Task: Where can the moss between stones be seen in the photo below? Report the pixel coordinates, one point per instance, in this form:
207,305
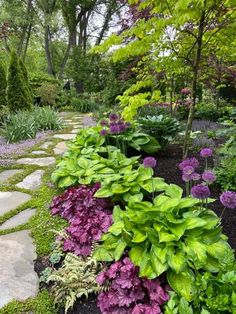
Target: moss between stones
42,304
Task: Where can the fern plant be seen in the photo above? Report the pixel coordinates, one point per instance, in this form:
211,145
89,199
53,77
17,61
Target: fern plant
76,278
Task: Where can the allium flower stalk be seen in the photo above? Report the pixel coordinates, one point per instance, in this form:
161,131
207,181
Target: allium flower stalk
150,162
228,200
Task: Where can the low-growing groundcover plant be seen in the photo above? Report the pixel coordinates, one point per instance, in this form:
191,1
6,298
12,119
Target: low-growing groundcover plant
88,217
127,293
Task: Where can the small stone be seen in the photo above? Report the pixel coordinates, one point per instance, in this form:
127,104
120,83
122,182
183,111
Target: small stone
18,219
7,174
12,200
32,182
46,145
60,148
65,136
38,152
43,161
18,279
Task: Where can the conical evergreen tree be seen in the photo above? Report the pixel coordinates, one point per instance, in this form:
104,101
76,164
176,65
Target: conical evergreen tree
17,93
3,87
26,81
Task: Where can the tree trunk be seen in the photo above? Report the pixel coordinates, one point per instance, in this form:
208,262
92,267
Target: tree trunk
24,34
48,50
171,94
194,84
105,26
27,42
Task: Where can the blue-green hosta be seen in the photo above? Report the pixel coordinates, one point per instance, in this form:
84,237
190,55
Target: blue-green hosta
172,234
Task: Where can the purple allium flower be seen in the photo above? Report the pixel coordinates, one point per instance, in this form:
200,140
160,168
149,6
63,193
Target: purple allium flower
193,162
200,191
188,170
113,117
208,176
104,122
228,199
206,152
186,178
114,128
149,162
195,176
103,132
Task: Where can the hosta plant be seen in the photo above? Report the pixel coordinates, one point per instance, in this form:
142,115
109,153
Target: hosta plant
120,177
88,216
214,294
172,234
161,127
128,293
76,278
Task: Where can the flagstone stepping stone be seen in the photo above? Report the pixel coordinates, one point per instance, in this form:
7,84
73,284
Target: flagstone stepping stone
46,145
65,136
18,279
43,161
11,200
18,219
68,120
75,131
33,181
7,174
38,152
60,148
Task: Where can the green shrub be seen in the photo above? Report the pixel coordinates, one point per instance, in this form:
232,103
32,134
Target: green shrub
48,94
83,105
3,87
4,112
28,88
162,128
150,110
212,112
17,92
25,124
226,173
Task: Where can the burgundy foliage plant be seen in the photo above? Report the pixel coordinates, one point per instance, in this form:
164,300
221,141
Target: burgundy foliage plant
128,293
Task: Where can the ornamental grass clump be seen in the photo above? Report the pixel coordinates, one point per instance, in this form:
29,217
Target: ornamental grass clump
128,293
89,217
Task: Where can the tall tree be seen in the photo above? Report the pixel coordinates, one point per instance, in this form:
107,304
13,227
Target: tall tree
3,86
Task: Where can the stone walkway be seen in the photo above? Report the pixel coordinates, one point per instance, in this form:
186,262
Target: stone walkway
18,279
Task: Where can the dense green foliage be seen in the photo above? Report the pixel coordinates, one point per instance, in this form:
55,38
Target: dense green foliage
3,87
17,91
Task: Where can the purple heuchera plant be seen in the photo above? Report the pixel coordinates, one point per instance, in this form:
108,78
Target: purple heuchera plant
89,217
128,293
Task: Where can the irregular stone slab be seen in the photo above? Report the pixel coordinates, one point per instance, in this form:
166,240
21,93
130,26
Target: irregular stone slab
46,145
67,120
7,174
11,200
65,136
38,152
18,219
32,182
43,161
18,279
60,148
75,131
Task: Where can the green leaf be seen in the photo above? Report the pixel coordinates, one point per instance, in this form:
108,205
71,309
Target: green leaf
134,198
174,191
116,215
219,249
157,265
83,162
119,249
184,307
194,222
103,192
136,254
118,188
198,248
161,253
176,261
101,254
146,269
67,181
183,283
165,236
138,236
116,228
